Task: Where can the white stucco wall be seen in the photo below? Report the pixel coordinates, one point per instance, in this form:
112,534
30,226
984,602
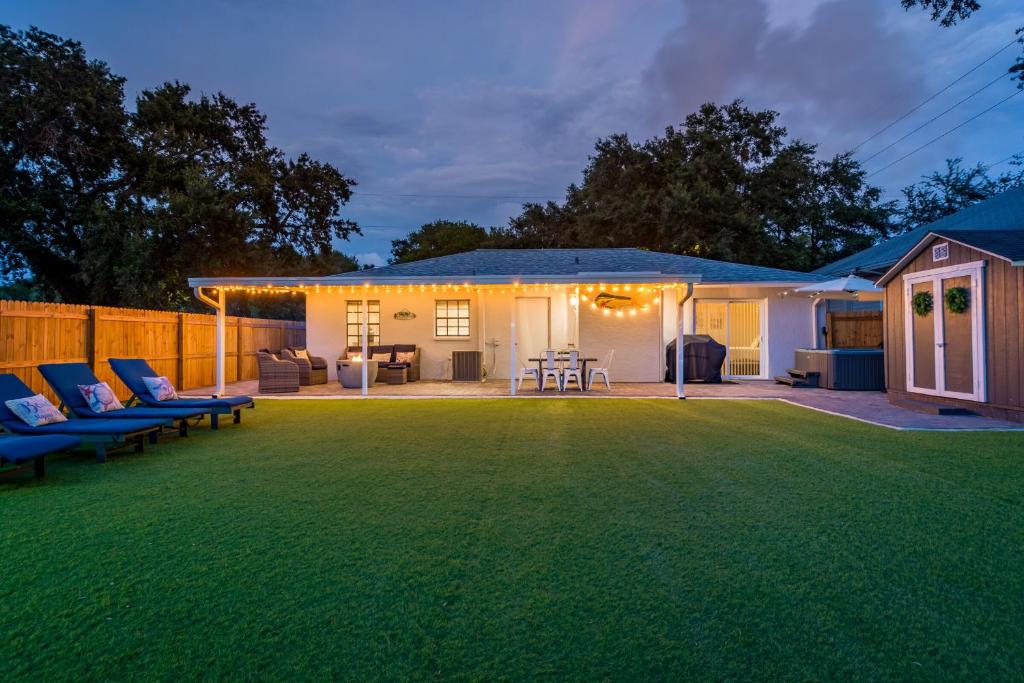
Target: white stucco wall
638,341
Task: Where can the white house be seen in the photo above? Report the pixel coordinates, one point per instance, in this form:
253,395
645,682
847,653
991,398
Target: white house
510,304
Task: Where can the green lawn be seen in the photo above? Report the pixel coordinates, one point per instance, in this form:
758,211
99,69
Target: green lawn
503,539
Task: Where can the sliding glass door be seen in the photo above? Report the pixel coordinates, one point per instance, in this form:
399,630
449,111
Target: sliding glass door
737,326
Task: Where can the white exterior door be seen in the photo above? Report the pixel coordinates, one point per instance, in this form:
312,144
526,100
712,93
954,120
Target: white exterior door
533,326
739,326
945,351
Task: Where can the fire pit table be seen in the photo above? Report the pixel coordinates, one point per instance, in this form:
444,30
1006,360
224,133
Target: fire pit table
350,373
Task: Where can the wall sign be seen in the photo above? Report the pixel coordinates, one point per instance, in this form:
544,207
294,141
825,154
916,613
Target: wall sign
405,314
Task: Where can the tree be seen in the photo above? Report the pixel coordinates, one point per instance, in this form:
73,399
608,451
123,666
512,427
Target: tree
949,12
945,192
112,207
726,184
439,238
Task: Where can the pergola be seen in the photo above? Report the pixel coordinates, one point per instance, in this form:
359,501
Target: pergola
214,292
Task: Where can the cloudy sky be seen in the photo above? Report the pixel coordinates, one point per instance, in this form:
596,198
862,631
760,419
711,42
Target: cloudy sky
464,110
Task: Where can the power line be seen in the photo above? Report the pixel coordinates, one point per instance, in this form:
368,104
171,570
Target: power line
936,117
1004,160
932,97
939,137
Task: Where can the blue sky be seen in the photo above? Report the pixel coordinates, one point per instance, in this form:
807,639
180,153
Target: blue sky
475,107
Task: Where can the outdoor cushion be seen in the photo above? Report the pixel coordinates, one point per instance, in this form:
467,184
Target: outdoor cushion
318,363
301,353
160,388
35,411
404,356
65,378
108,427
100,397
382,357
19,449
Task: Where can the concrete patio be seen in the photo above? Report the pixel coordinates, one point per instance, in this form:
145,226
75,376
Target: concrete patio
872,407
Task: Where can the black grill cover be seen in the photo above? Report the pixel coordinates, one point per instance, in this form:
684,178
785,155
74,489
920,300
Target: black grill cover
702,356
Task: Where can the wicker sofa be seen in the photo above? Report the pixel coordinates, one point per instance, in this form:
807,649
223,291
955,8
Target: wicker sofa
276,376
311,371
412,367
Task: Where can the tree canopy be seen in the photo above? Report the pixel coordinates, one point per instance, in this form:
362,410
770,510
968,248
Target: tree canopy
726,184
439,238
945,192
110,206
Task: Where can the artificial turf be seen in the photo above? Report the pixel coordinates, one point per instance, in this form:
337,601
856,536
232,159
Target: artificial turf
513,539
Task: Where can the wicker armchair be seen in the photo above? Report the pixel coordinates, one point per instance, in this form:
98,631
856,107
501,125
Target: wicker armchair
276,376
312,371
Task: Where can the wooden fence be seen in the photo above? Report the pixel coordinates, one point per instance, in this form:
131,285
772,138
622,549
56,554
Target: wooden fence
854,329
181,346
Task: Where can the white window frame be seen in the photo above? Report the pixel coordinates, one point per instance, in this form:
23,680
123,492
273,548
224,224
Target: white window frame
469,321
762,325
976,271
359,322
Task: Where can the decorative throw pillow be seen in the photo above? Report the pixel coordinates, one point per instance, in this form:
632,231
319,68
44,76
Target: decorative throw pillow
161,388
301,353
404,356
100,397
35,411
382,357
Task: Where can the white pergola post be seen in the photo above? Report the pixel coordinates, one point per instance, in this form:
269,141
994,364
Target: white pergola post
680,332
814,323
222,297
512,346
366,344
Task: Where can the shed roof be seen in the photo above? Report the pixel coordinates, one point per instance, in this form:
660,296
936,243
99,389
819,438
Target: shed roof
1004,244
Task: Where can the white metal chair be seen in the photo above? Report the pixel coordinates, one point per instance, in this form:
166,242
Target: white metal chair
527,371
573,369
603,371
552,369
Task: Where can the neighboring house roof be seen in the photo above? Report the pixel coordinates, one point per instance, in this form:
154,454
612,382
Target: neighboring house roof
527,263
1004,244
1004,211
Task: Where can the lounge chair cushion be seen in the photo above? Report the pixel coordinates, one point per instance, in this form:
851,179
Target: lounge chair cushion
35,411
19,449
225,403
64,378
160,388
85,427
100,397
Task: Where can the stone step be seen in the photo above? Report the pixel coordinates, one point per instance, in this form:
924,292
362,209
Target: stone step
798,382
804,374
929,408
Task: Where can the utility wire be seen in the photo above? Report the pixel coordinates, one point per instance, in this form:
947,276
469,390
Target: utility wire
929,99
936,117
1003,161
939,137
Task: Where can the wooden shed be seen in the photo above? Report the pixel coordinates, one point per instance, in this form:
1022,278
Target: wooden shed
954,321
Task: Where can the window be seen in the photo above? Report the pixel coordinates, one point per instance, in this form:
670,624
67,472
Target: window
940,252
354,324
451,318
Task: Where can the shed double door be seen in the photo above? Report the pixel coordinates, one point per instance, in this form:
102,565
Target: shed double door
946,350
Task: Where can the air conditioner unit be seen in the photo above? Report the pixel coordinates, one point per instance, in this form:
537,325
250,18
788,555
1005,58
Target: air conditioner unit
467,366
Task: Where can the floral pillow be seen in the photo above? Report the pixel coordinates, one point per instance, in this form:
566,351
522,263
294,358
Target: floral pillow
404,356
161,388
35,411
301,353
382,357
100,397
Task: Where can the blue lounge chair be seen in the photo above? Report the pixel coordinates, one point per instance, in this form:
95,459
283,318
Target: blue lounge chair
17,451
132,370
64,379
97,433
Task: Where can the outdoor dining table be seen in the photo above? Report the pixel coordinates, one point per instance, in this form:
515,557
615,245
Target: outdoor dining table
564,357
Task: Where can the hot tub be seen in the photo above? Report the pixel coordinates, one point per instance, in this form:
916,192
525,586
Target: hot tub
845,369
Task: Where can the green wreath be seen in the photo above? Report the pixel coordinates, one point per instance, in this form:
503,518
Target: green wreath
922,303
957,299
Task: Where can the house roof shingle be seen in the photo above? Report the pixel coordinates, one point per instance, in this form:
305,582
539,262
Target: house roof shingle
570,262
1003,212
1006,243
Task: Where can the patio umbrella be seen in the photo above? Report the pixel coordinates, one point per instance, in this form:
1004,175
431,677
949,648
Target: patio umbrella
842,288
